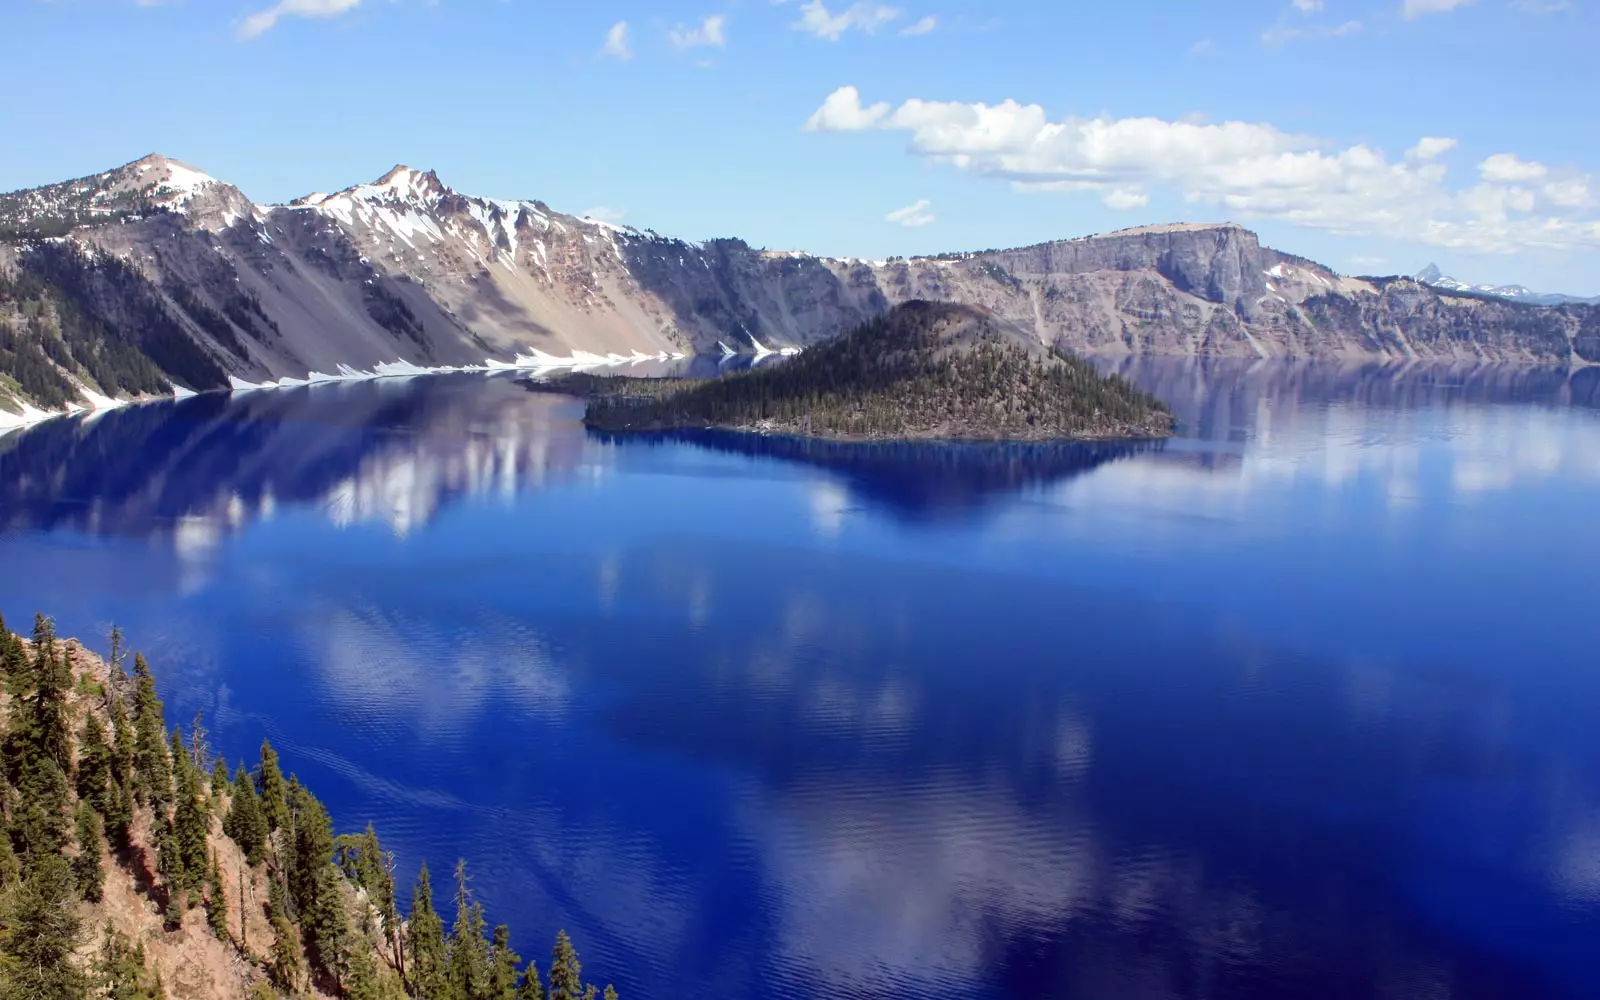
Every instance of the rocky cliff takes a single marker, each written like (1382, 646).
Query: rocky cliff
(156, 262)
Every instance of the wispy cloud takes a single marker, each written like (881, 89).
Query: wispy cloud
(711, 32)
(600, 213)
(618, 44)
(913, 216)
(922, 27)
(263, 21)
(1412, 9)
(1283, 33)
(1250, 170)
(868, 18)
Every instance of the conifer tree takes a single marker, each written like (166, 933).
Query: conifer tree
(468, 949)
(39, 932)
(531, 987)
(94, 765)
(124, 752)
(190, 821)
(610, 993)
(284, 964)
(566, 975)
(216, 901)
(274, 793)
(425, 940)
(152, 765)
(18, 668)
(119, 814)
(87, 872)
(51, 732)
(169, 869)
(313, 881)
(220, 785)
(244, 822)
(10, 867)
(120, 970)
(503, 964)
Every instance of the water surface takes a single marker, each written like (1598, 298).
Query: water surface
(1302, 703)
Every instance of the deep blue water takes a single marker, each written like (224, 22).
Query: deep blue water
(1302, 704)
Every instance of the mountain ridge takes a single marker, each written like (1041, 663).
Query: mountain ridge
(164, 259)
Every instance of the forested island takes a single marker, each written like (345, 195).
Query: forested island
(134, 865)
(924, 370)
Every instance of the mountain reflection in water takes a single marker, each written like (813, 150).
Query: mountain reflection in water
(1297, 704)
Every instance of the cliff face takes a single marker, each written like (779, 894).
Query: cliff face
(209, 285)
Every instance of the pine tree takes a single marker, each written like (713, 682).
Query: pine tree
(51, 732)
(244, 822)
(190, 821)
(94, 765)
(169, 869)
(503, 964)
(216, 901)
(87, 872)
(152, 765)
(314, 882)
(18, 668)
(284, 964)
(468, 950)
(39, 932)
(220, 786)
(124, 742)
(120, 970)
(119, 814)
(610, 993)
(566, 975)
(10, 867)
(274, 793)
(425, 940)
(531, 988)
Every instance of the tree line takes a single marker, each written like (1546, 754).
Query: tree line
(73, 790)
(922, 370)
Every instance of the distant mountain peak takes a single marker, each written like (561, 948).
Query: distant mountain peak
(1434, 278)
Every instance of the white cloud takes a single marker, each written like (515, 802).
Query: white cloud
(1421, 8)
(1507, 168)
(1249, 170)
(922, 27)
(1282, 33)
(1430, 148)
(1307, 6)
(816, 19)
(913, 216)
(618, 45)
(710, 33)
(263, 21)
(1202, 47)
(601, 213)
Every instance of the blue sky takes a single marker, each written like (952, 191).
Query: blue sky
(1373, 135)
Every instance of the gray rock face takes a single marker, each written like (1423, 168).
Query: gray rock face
(406, 268)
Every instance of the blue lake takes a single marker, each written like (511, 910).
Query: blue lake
(1304, 703)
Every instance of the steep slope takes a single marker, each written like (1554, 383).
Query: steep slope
(922, 370)
(184, 271)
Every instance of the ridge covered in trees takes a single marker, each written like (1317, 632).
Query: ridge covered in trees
(923, 370)
(98, 797)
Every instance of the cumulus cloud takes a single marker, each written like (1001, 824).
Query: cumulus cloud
(1412, 9)
(922, 27)
(869, 18)
(263, 21)
(618, 44)
(913, 216)
(709, 33)
(1250, 170)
